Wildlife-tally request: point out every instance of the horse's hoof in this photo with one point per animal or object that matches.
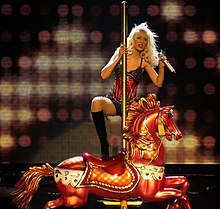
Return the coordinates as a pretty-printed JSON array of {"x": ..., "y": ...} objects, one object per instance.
[{"x": 169, "y": 207}]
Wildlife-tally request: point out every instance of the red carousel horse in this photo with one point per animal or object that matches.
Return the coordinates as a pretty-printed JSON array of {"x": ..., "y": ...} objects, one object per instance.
[{"x": 136, "y": 172}]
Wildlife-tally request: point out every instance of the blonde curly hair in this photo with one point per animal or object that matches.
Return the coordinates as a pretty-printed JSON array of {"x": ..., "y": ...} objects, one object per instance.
[{"x": 150, "y": 53}]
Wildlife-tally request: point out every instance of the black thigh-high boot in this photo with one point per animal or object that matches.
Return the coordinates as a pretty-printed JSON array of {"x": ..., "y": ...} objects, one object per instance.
[{"x": 99, "y": 121}]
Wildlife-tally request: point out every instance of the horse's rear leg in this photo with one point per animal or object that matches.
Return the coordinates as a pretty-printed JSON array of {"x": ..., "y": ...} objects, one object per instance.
[
  {"x": 78, "y": 198},
  {"x": 75, "y": 201},
  {"x": 54, "y": 203}
]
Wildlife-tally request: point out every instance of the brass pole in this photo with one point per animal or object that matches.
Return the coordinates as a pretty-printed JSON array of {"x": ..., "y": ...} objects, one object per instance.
[
  {"x": 124, "y": 66},
  {"x": 124, "y": 204}
]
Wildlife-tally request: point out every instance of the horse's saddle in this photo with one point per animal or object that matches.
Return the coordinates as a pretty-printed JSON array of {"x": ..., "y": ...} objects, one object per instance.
[
  {"x": 113, "y": 165},
  {"x": 115, "y": 174}
]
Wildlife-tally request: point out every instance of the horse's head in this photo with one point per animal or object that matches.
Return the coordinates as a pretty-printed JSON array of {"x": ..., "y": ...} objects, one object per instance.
[
  {"x": 146, "y": 124},
  {"x": 166, "y": 124}
]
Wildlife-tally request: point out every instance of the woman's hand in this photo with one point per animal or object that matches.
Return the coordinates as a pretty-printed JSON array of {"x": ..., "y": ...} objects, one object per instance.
[
  {"x": 122, "y": 50},
  {"x": 163, "y": 58}
]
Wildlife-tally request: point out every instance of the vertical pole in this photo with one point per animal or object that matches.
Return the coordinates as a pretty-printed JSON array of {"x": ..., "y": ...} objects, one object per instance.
[
  {"x": 124, "y": 66},
  {"x": 124, "y": 204}
]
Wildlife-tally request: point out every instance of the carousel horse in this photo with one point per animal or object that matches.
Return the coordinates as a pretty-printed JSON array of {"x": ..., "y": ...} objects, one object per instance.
[{"x": 136, "y": 172}]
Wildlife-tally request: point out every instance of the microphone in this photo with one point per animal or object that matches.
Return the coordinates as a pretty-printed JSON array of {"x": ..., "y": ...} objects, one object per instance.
[{"x": 167, "y": 63}]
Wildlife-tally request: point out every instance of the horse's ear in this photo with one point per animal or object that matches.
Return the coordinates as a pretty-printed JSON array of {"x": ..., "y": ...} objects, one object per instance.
[
  {"x": 168, "y": 108},
  {"x": 150, "y": 102}
]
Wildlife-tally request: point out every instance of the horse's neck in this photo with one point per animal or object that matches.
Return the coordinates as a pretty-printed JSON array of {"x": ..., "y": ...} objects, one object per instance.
[
  {"x": 146, "y": 146},
  {"x": 155, "y": 157}
]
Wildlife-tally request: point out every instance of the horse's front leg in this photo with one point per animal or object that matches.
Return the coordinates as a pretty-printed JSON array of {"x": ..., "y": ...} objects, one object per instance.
[
  {"x": 170, "y": 193},
  {"x": 156, "y": 192},
  {"x": 54, "y": 203},
  {"x": 180, "y": 182}
]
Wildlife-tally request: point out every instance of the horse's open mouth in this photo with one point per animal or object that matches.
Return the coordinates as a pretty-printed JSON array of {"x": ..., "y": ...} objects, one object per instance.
[{"x": 170, "y": 136}]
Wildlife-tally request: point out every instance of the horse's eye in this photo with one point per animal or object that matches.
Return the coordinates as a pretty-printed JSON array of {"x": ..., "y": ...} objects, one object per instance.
[{"x": 169, "y": 114}]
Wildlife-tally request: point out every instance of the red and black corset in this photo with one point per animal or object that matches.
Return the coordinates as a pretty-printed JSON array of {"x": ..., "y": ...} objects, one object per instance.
[{"x": 133, "y": 79}]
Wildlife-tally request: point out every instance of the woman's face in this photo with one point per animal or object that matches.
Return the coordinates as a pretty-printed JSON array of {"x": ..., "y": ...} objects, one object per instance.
[{"x": 140, "y": 41}]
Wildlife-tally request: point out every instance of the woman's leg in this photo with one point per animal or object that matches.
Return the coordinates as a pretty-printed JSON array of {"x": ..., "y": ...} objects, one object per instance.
[
  {"x": 100, "y": 107},
  {"x": 99, "y": 122}
]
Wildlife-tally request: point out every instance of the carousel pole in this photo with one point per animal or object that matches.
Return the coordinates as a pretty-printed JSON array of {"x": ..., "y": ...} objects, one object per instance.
[{"x": 124, "y": 67}]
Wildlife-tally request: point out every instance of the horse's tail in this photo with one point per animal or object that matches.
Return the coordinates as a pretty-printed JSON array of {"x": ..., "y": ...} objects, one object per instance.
[{"x": 26, "y": 187}]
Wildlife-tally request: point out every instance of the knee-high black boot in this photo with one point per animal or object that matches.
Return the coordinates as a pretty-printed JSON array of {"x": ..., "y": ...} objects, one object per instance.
[{"x": 99, "y": 121}]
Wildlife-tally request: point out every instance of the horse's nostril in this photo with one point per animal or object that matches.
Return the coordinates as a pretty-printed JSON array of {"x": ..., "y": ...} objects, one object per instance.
[{"x": 179, "y": 136}]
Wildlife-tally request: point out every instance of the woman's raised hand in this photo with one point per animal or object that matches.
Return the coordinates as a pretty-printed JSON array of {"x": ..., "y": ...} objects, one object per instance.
[{"x": 122, "y": 50}]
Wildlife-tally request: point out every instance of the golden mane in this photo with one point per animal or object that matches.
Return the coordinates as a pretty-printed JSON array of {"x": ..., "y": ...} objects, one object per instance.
[{"x": 135, "y": 110}]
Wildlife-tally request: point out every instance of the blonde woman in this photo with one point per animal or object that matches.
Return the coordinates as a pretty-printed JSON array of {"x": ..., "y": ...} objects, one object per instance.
[{"x": 142, "y": 55}]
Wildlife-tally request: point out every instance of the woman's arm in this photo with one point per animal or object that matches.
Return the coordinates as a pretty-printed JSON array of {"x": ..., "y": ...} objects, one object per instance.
[
  {"x": 157, "y": 78},
  {"x": 109, "y": 67}
]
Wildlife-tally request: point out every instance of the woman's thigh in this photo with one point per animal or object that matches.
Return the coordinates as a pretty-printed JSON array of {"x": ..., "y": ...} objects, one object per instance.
[
  {"x": 102, "y": 103},
  {"x": 108, "y": 107}
]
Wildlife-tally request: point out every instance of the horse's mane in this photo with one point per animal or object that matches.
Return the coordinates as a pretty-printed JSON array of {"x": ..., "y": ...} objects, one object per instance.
[{"x": 136, "y": 111}]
